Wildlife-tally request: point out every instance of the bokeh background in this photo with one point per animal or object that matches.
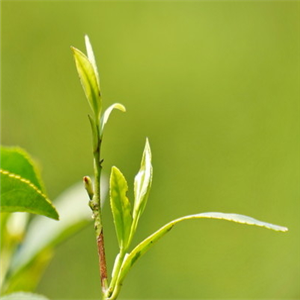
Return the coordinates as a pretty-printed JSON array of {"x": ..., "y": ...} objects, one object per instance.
[{"x": 215, "y": 87}]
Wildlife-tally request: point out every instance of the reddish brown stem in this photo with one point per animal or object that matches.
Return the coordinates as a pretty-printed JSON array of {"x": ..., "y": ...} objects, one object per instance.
[{"x": 102, "y": 261}]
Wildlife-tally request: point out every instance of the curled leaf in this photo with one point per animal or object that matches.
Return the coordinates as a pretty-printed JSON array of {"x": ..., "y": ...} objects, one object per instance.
[
  {"x": 91, "y": 57},
  {"x": 142, "y": 186},
  {"x": 88, "y": 76},
  {"x": 107, "y": 113},
  {"x": 142, "y": 181}
]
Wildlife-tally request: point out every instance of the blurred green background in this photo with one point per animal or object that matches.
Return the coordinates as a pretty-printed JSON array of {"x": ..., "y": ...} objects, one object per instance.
[{"x": 215, "y": 87}]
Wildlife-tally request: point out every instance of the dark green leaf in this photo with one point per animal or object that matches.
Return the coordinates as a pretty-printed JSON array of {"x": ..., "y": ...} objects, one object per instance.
[
  {"x": 17, "y": 161},
  {"x": 19, "y": 194}
]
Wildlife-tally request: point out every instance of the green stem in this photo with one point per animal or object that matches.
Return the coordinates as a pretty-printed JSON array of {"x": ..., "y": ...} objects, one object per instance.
[
  {"x": 115, "y": 285},
  {"x": 116, "y": 271},
  {"x": 116, "y": 290},
  {"x": 97, "y": 190}
]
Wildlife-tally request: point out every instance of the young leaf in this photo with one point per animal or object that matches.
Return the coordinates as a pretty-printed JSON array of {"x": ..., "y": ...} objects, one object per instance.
[
  {"x": 142, "y": 185},
  {"x": 17, "y": 161},
  {"x": 145, "y": 245},
  {"x": 94, "y": 132},
  {"x": 120, "y": 206},
  {"x": 107, "y": 113},
  {"x": 88, "y": 77},
  {"x": 19, "y": 194},
  {"x": 91, "y": 57}
]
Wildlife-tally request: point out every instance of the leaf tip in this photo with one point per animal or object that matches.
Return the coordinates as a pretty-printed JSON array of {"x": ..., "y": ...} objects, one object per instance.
[
  {"x": 147, "y": 145},
  {"x": 121, "y": 107},
  {"x": 54, "y": 214},
  {"x": 284, "y": 229},
  {"x": 87, "y": 40},
  {"x": 73, "y": 49},
  {"x": 148, "y": 148},
  {"x": 114, "y": 170}
]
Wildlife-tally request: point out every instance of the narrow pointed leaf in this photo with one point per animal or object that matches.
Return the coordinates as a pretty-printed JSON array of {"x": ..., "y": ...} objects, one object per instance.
[
  {"x": 107, "y": 113},
  {"x": 94, "y": 132},
  {"x": 142, "y": 182},
  {"x": 91, "y": 57},
  {"x": 144, "y": 246},
  {"x": 120, "y": 206},
  {"x": 88, "y": 78},
  {"x": 19, "y": 194}
]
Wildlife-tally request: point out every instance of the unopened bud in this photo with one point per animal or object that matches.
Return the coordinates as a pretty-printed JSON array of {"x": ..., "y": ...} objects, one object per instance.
[{"x": 88, "y": 186}]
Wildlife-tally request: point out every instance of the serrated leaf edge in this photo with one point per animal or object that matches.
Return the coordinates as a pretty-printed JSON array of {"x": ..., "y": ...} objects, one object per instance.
[
  {"x": 30, "y": 161},
  {"x": 29, "y": 183}
]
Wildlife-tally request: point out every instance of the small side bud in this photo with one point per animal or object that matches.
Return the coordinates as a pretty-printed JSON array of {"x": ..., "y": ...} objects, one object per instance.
[{"x": 88, "y": 186}]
